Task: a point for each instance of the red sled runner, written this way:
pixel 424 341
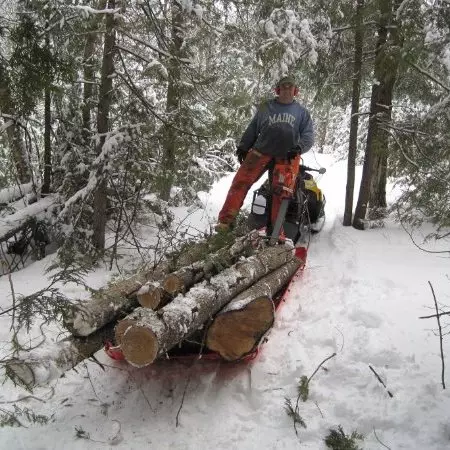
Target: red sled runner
pixel 189 351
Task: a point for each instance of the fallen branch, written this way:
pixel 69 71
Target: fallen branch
pixel 440 336
pixel 38 368
pixel 381 381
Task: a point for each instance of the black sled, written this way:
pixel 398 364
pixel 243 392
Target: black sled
pixel 305 213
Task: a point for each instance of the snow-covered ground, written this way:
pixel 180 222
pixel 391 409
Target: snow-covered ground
pixel 360 297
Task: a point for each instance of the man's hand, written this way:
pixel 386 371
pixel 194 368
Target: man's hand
pixel 241 154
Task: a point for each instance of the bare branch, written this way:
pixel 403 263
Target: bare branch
pixel 381 381
pixel 440 336
pixel 428 75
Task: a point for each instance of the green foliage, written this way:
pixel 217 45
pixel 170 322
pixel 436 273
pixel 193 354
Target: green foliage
pixel 293 414
pixel 420 163
pixel 81 434
pixel 47 304
pixel 338 440
pixel 194 250
pixel 15 418
pixel 303 388
pixel 34 64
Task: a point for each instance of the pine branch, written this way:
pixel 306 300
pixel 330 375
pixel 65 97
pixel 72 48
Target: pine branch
pixel 428 75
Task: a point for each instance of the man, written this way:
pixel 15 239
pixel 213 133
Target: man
pixel 280 131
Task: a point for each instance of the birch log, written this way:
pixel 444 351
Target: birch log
pixel 109 303
pixel 152 295
pixel 39 367
pixel 151 334
pixel 181 280
pixel 238 328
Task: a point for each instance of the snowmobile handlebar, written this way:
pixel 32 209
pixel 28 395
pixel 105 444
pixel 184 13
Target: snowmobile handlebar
pixel 322 170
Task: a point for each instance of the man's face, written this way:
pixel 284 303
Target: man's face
pixel 286 93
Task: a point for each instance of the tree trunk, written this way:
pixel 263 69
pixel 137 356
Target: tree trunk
pixel 390 58
pixel 89 72
pixel 323 130
pixel 238 328
pixel 375 109
pixel 151 334
pixel 18 153
pixel 15 140
pixel 36 368
pixel 353 141
pixel 170 131
pixel 47 142
pixel 105 95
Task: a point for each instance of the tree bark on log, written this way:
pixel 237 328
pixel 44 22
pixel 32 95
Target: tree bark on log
pixel 238 328
pixel 151 334
pixel 181 280
pixel 37 368
pixel 109 303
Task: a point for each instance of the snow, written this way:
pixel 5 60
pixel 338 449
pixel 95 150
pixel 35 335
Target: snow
pixel 360 296
pixel 9 194
pixel 37 210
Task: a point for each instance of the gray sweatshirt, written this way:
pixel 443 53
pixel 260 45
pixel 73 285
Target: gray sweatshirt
pixel 278 128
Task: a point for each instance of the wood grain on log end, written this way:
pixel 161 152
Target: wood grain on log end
pixel 139 346
pixel 236 333
pixel 151 299
pixel 121 327
pixel 173 284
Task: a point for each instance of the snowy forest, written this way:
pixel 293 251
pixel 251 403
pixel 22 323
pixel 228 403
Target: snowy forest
pixel 106 103
pixel 113 113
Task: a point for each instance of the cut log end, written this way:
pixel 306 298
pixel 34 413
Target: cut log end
pixel 151 299
pixel 173 284
pixel 121 327
pixel 139 346
pixel 236 333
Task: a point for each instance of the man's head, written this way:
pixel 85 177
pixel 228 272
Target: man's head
pixel 286 89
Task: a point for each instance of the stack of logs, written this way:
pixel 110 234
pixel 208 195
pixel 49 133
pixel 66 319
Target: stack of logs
pixel 225 299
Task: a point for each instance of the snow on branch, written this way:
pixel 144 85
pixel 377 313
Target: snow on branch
pixel 189 7
pixel 428 75
pixel 147 44
pixel 290 38
pixel 437 109
pixel 112 142
pixel 87 10
pixel 6 125
pixel 11 193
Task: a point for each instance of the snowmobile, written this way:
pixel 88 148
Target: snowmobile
pixel 304 212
